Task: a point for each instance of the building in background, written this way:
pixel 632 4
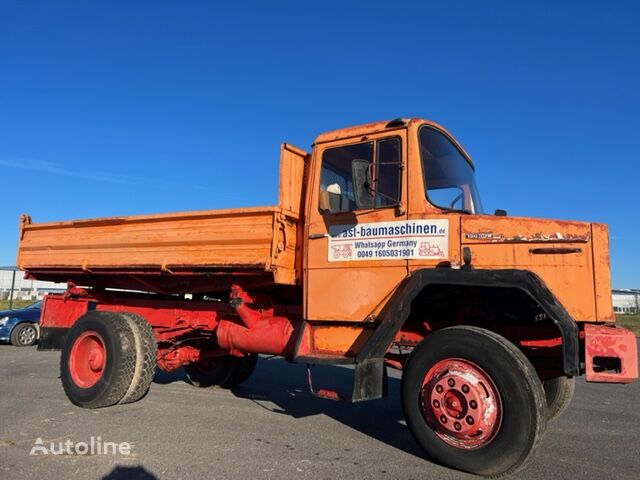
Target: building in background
pixel 626 301
pixel 25 289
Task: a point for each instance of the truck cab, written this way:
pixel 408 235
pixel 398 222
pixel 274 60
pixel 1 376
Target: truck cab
pixel 388 200
pixel 373 185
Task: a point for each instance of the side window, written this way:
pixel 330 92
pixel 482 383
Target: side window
pixel 387 179
pixel 336 178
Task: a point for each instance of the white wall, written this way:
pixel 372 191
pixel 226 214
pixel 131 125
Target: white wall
pixel 25 289
pixel 626 302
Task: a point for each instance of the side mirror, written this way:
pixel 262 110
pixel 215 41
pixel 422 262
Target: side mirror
pixel 362 191
pixel 500 213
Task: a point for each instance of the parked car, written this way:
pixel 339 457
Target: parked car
pixel 20 326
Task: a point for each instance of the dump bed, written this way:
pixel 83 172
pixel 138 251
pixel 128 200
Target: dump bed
pixel 247 241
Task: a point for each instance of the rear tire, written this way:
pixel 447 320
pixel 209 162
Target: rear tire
pixel 225 372
pixel 559 392
pixel 146 350
pixel 98 360
pixel 242 371
pixel 24 334
pixel 473 401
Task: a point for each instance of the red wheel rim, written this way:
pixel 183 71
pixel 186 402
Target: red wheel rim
pixel 461 403
pixel 87 359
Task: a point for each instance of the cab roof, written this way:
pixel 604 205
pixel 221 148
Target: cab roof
pixel 380 126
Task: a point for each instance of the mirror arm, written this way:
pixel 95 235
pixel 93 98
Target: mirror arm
pixel 388 197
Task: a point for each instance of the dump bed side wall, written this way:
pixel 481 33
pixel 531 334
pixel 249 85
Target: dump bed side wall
pixel 223 238
pixel 256 239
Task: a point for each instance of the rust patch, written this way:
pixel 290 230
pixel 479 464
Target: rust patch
pixel 536 237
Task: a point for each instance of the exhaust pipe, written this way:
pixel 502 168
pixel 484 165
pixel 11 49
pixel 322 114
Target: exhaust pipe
pixel 261 332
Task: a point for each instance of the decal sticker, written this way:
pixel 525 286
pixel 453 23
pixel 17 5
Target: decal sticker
pixel 413 239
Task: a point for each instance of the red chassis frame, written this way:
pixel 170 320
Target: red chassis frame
pixel 187 330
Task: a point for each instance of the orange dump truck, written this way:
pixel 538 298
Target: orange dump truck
pixel 377 255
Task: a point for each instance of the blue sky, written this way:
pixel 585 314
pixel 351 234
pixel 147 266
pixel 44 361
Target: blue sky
pixel 116 108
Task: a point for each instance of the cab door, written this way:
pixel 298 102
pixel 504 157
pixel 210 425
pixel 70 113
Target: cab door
pixel 354 260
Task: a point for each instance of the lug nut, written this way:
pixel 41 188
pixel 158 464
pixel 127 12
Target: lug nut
pixel 457 426
pixel 473 404
pixel 465 388
pixel 469 420
pixel 439 388
pixel 450 382
pixel 436 404
pixel 443 419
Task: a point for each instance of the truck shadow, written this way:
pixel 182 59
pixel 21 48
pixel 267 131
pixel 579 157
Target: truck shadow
pixel 165 378
pixel 281 388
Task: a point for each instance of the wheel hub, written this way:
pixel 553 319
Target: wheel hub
pixel 461 403
pixel 27 335
pixel 87 359
pixel 96 359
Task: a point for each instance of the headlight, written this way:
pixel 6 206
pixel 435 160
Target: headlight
pixel 3 321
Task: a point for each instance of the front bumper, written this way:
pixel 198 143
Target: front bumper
pixel 610 354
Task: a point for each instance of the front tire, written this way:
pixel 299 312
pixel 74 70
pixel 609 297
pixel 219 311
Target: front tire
pixel 473 401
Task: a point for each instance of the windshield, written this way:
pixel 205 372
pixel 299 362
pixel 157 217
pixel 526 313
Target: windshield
pixel 448 177
pixel 38 304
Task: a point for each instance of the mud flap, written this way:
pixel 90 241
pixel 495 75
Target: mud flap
pixel 370 380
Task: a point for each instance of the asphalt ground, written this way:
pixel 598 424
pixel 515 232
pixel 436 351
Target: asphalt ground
pixel 273 428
